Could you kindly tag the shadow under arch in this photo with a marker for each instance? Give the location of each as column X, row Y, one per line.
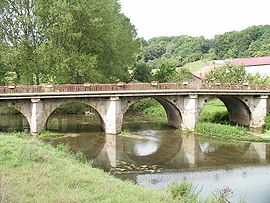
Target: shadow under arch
column 20, row 119
column 93, row 112
column 238, row 110
column 174, row 117
column 169, row 147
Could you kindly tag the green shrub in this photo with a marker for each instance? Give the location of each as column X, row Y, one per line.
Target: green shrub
column 227, row 74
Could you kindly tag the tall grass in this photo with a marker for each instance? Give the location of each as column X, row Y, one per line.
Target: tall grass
column 226, row 131
column 215, row 112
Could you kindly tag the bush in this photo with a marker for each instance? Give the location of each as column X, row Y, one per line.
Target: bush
column 227, row 74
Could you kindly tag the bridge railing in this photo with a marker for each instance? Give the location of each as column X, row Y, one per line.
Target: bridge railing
column 128, row 86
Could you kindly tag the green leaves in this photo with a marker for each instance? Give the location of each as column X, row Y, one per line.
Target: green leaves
column 66, row 41
column 227, row 74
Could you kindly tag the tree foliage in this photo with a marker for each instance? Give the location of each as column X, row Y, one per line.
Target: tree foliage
column 234, row 74
column 251, row 42
column 142, row 72
column 65, row 41
column 164, row 73
column 227, row 74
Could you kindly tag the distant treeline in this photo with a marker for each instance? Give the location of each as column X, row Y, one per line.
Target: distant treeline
column 179, row 50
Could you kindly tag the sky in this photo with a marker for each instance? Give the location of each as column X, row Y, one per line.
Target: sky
column 153, row 18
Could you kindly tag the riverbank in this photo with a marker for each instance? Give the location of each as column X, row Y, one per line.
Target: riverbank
column 31, row 171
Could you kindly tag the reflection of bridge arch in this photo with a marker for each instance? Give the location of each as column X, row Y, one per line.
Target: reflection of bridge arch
column 167, row 150
column 219, row 153
column 173, row 114
column 237, row 107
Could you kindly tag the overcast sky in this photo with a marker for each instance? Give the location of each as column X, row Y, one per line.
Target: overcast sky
column 154, row 18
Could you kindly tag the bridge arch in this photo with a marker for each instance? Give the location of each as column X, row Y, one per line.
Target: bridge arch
column 237, row 107
column 174, row 117
column 51, row 106
column 20, row 107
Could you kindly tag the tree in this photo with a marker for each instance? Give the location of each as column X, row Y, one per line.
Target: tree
column 164, row 73
column 142, row 72
column 183, row 75
column 67, row 41
column 227, row 74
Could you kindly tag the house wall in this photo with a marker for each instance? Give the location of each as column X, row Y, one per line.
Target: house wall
column 263, row 70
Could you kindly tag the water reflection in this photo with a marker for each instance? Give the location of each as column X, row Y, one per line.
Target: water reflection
column 173, row 151
column 74, row 123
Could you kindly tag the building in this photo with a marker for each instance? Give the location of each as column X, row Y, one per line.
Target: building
column 253, row 66
column 260, row 65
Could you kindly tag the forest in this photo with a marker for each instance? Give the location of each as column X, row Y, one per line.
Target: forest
column 91, row 41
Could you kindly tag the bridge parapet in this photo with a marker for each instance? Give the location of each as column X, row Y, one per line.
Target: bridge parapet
column 128, row 87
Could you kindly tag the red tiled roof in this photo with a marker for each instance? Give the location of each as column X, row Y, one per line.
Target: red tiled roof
column 250, row 61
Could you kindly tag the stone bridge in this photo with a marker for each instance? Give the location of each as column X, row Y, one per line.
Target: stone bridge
column 246, row 104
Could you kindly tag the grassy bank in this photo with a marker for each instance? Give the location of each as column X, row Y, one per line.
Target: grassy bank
column 226, row 131
column 31, row 171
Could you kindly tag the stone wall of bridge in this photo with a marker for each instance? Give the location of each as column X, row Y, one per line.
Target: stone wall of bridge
column 182, row 110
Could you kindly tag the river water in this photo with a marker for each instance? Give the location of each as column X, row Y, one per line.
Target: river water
column 153, row 155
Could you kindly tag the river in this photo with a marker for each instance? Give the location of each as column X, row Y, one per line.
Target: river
column 153, row 155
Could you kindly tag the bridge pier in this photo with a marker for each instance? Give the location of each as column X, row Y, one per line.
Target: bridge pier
column 190, row 112
column 113, row 116
column 258, row 110
column 38, row 120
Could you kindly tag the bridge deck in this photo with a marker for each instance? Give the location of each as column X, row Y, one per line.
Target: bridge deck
column 130, row 89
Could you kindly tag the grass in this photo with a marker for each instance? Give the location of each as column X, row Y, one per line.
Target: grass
column 267, row 123
column 215, row 112
column 226, row 131
column 32, row 171
column 195, row 66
